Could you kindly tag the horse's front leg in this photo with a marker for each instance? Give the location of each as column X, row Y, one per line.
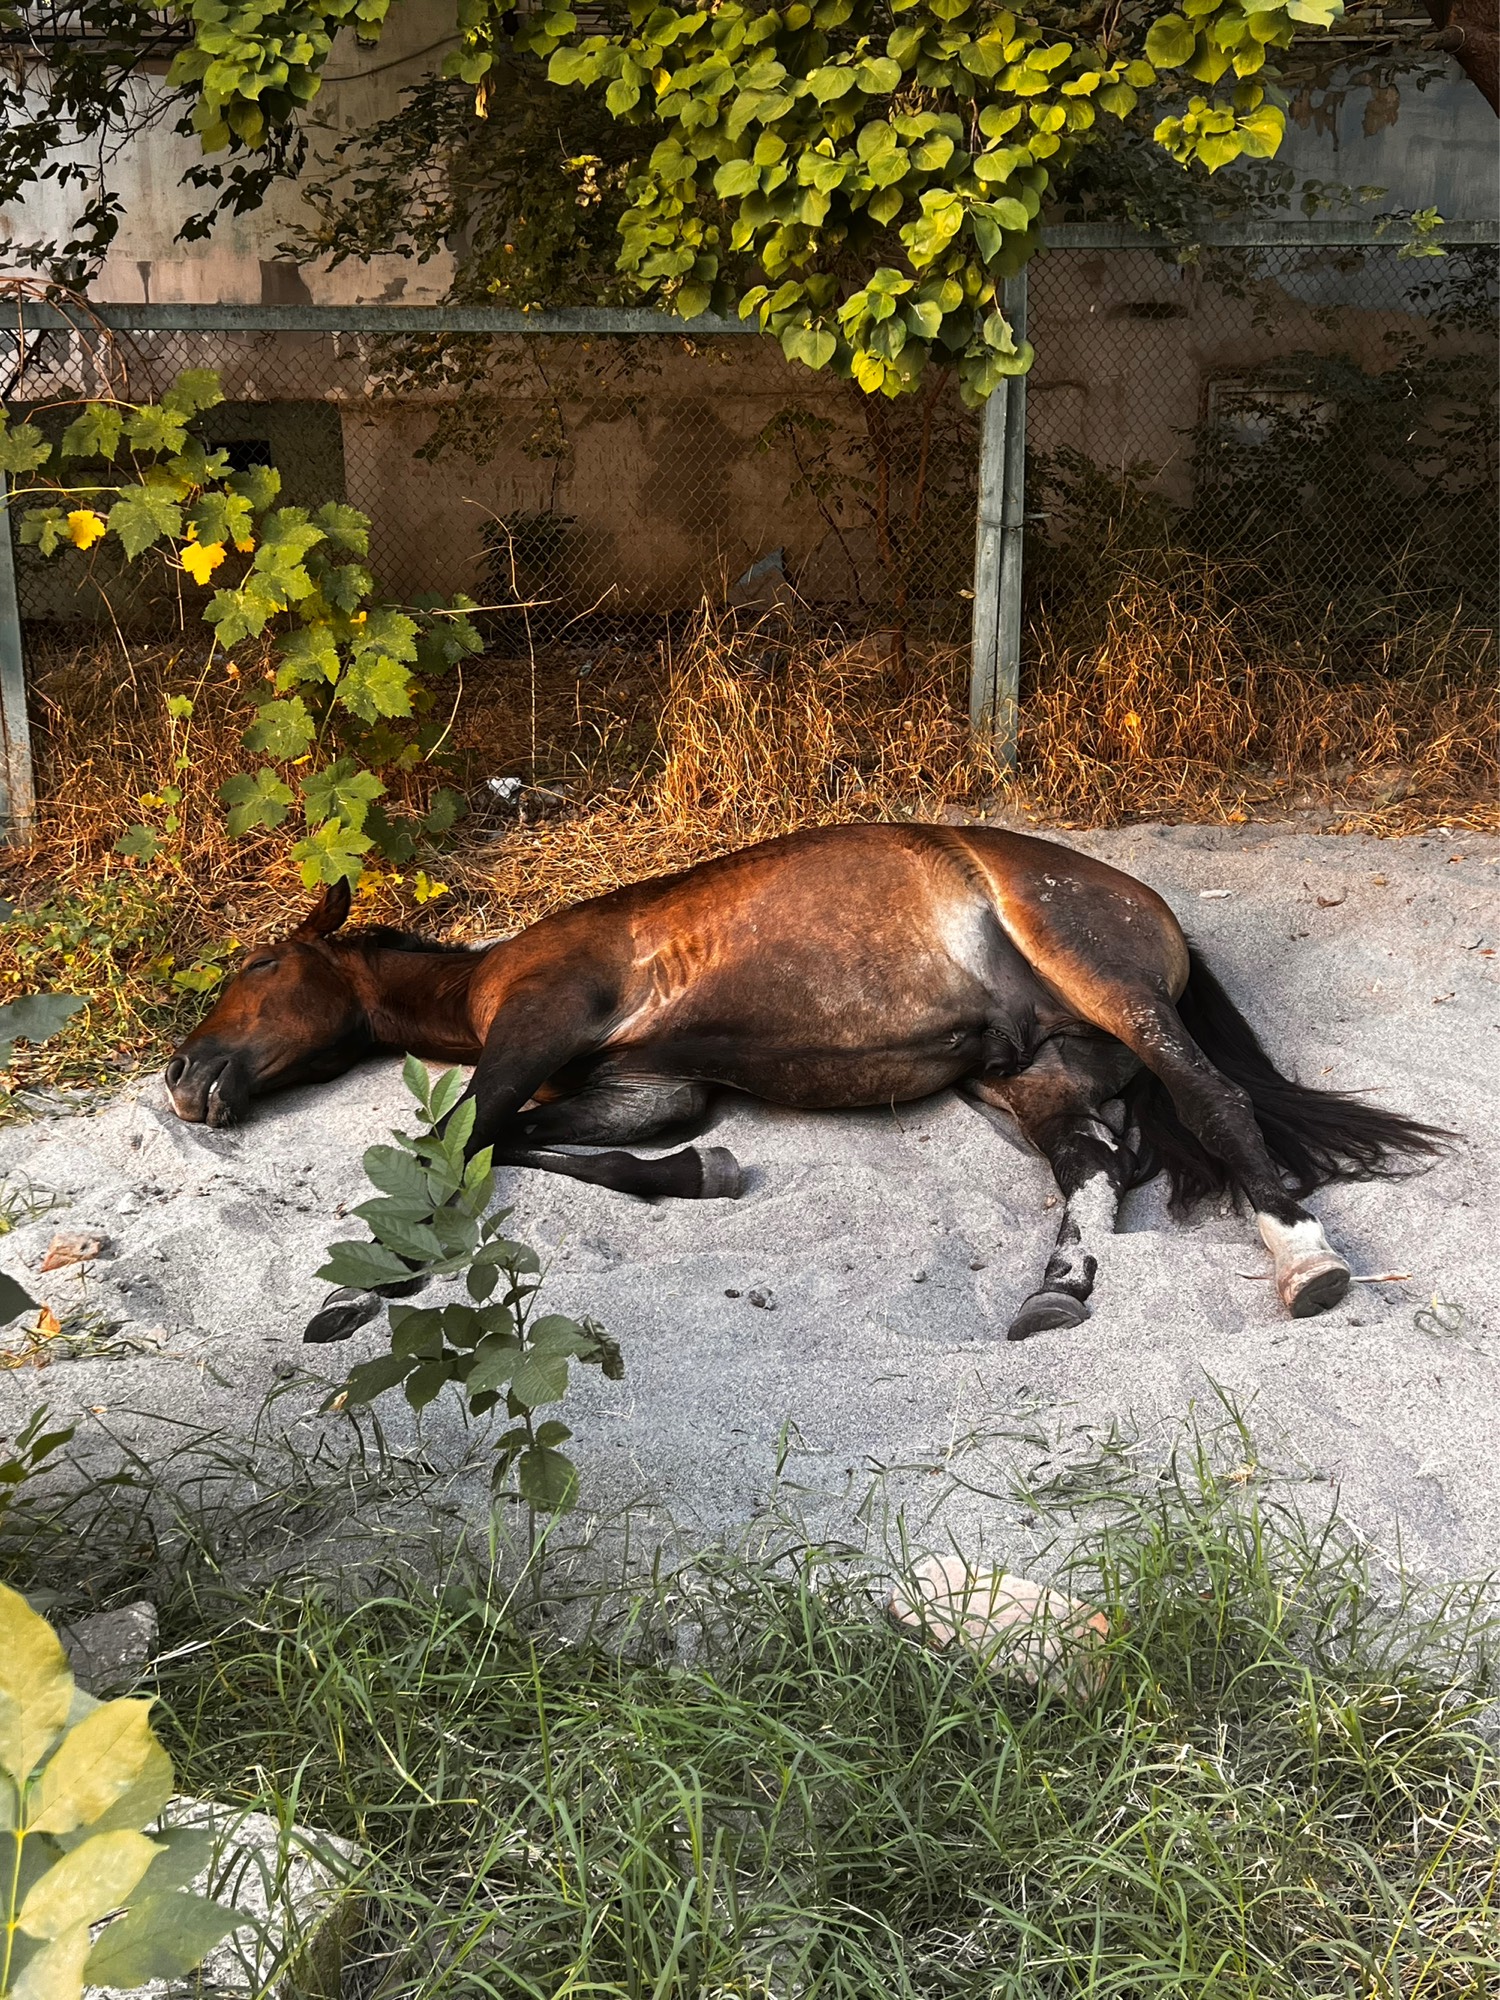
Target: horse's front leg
column 1058, row 1104
column 531, row 1034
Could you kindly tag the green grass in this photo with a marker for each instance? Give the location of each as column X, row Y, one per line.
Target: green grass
column 735, row 1779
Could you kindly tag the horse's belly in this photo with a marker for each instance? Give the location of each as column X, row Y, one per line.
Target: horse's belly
column 825, row 1079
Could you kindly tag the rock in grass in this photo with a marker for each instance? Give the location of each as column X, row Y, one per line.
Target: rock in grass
column 108, row 1650
column 293, row 1891
column 1016, row 1628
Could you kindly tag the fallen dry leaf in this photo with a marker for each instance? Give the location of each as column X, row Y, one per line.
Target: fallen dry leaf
column 48, row 1323
column 71, row 1250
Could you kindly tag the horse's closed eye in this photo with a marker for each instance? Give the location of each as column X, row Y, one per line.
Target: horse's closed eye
column 259, row 965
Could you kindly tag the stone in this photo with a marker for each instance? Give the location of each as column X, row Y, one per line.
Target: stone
column 293, row 1891
column 108, row 1650
column 1017, row 1629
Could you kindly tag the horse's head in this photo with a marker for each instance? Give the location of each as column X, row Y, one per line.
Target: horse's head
column 291, row 1014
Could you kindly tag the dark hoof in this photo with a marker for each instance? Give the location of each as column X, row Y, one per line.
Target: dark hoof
column 1316, row 1294
column 723, row 1177
column 345, row 1313
column 1045, row 1310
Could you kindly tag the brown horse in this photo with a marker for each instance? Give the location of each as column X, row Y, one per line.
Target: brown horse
column 842, row 967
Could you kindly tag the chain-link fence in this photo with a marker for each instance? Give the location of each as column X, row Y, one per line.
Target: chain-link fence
column 1320, row 416
column 1319, row 420
column 612, row 477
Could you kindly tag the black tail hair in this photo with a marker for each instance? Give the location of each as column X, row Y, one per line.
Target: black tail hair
column 1314, row 1136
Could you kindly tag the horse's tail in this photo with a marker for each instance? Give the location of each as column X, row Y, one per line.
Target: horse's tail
column 1314, row 1136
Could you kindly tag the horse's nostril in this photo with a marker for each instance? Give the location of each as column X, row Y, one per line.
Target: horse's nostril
column 175, row 1071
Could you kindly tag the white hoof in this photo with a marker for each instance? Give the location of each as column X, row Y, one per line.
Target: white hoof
column 1311, row 1276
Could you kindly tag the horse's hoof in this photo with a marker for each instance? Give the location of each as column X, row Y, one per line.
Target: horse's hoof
column 1314, row 1287
column 345, row 1313
column 1044, row 1311
column 723, row 1177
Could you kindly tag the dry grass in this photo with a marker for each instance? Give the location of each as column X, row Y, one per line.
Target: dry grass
column 1178, row 704
column 1170, row 701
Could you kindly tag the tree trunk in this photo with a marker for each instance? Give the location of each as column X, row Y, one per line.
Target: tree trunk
column 1468, row 29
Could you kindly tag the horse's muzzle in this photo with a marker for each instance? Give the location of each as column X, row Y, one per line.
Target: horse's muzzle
column 207, row 1087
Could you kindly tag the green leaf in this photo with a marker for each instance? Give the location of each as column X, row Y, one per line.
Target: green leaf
column 396, row 1172
column 44, row 528
column 344, row 526
column 362, row 1266
column 547, row 1480
column 220, row 517
column 375, row 685
column 556, row 1334
column 495, row 1362
column 163, row 1937
column 154, row 427
column 14, row 1298
column 879, row 74
column 445, row 1095
column 444, row 808
column 736, row 177
column 139, row 843
column 540, row 1378
column 23, row 449
column 372, row 1378
column 259, row 801
column 96, row 434
column 195, row 390
column 36, row 1017
column 1170, row 42
column 283, row 729
column 340, row 791
column 831, row 83
column 259, row 484
column 426, row 1381
column 142, row 517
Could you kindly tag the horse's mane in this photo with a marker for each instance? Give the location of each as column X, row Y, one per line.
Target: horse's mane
column 385, row 937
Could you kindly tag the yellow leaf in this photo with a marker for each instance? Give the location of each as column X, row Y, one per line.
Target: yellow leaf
column 426, row 890
column 200, row 560
column 56, row 1973
column 108, row 1770
column 85, row 527
column 246, row 546
column 36, row 1686
column 48, row 1323
column 89, row 1882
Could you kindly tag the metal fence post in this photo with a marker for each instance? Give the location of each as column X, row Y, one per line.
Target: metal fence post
column 17, row 781
column 994, row 683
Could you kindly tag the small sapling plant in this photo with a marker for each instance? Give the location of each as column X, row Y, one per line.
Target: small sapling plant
column 431, row 1219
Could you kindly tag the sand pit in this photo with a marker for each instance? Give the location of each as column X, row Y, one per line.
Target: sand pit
column 888, row 1250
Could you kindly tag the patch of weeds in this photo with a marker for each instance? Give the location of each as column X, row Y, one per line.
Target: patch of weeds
column 733, row 1777
column 22, row 1201
column 113, row 940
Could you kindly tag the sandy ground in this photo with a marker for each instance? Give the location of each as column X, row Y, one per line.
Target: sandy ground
column 893, row 1248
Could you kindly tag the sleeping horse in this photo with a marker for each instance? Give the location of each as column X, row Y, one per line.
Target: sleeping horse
column 836, row 968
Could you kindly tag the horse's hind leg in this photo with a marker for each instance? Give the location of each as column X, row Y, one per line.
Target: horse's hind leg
column 1310, row 1274
column 1058, row 1103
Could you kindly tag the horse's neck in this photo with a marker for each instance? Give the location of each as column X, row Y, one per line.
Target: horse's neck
column 418, row 1001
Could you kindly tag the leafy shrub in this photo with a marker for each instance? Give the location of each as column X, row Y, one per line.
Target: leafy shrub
column 430, row 1220
column 346, row 694
column 79, row 1780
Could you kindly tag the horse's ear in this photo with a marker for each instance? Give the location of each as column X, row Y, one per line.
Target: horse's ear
column 326, row 915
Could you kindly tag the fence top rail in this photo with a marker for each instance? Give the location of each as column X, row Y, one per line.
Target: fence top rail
column 33, row 315
column 1263, row 234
